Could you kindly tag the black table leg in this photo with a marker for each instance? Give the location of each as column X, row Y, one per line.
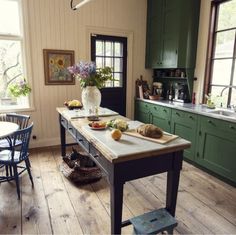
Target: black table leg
column 172, row 191
column 116, row 192
column 63, row 138
column 173, row 183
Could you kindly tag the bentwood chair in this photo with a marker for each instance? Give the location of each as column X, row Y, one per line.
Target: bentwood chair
column 21, row 120
column 13, row 157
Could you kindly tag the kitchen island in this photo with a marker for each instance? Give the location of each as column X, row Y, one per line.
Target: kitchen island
column 125, row 160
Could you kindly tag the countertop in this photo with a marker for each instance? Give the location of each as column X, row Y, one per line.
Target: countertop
column 193, row 108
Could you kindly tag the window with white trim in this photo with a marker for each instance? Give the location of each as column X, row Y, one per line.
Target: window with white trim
column 12, row 72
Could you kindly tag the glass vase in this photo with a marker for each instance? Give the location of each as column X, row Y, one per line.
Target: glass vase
column 91, row 98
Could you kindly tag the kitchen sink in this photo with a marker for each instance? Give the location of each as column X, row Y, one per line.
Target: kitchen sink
column 226, row 113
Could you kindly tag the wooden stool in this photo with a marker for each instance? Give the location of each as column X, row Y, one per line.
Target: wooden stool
column 154, row 222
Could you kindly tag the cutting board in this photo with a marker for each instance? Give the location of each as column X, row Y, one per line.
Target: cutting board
column 163, row 140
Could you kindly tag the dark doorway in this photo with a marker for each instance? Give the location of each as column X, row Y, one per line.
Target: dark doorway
column 112, row 51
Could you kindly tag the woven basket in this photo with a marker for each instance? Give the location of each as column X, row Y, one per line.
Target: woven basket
column 79, row 174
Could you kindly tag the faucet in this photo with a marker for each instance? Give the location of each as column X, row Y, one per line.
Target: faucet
column 221, row 93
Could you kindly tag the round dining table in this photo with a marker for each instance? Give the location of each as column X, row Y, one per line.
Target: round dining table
column 7, row 129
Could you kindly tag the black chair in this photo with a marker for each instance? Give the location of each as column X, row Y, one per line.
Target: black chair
column 21, row 120
column 12, row 158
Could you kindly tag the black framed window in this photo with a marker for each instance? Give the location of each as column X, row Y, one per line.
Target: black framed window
column 109, row 51
column 221, row 67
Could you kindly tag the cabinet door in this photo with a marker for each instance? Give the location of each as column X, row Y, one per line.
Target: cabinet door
column 184, row 124
column 142, row 112
column 160, row 116
column 217, row 147
column 154, row 42
column 170, row 34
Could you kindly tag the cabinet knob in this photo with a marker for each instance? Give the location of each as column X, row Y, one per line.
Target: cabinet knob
column 197, row 154
column 209, row 121
column 165, row 110
column 96, row 156
column 231, row 127
column 177, row 113
column 190, row 116
column 160, row 62
column 155, row 107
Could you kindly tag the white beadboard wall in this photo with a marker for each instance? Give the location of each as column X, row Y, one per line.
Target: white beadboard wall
column 51, row 24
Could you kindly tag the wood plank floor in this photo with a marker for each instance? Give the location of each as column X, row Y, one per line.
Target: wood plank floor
column 205, row 204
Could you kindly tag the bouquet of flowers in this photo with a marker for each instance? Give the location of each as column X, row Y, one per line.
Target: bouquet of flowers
column 89, row 75
column 19, row 88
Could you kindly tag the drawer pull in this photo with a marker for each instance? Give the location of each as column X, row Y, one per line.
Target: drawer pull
column 70, row 128
column 62, row 120
column 231, row 127
column 80, row 140
column 190, row 116
column 177, row 113
column 96, row 156
column 155, row 107
column 209, row 121
column 165, row 110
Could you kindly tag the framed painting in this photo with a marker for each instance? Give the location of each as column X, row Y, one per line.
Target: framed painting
column 56, row 63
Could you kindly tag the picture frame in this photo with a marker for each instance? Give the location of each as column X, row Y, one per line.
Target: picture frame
column 56, row 63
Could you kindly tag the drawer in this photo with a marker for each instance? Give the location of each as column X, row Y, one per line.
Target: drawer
column 143, row 106
column 160, row 111
column 64, row 122
column 71, row 130
column 186, row 117
column 224, row 126
column 99, row 159
column 82, row 141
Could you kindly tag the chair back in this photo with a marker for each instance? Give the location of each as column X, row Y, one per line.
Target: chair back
column 24, row 135
column 20, row 119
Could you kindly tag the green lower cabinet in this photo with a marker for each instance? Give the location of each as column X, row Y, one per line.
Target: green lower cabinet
column 142, row 111
column 160, row 116
column 154, row 114
column 184, row 124
column 217, row 147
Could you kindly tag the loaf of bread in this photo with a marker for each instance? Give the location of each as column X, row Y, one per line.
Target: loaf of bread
column 150, row 130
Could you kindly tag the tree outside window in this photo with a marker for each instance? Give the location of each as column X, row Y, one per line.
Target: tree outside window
column 221, row 72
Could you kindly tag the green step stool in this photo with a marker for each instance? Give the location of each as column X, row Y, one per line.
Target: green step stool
column 154, row 222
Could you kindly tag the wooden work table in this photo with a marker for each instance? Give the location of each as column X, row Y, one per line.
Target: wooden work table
column 125, row 160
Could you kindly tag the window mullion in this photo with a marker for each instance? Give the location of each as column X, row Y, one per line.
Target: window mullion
column 232, row 72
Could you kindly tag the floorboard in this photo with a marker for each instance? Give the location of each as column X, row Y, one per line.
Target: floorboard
column 205, row 205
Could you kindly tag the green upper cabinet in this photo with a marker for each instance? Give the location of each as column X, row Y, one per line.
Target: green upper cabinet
column 172, row 28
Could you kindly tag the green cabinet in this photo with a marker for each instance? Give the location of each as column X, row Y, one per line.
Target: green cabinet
column 154, row 114
column 213, row 140
column 160, row 116
column 216, row 147
column 184, row 124
column 142, row 111
column 171, row 38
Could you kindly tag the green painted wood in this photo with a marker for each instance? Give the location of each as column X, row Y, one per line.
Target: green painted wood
column 184, row 124
column 142, row 111
column 216, row 148
column 213, row 140
column 172, row 28
column 160, row 116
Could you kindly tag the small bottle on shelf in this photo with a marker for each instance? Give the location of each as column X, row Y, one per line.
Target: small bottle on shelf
column 170, row 93
column 194, row 98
